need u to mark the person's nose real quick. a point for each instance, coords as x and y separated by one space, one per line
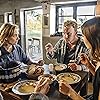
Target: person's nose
18 38
66 35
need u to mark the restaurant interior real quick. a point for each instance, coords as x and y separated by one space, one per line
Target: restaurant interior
40 22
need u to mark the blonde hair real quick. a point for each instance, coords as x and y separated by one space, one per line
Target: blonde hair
6 31
72 23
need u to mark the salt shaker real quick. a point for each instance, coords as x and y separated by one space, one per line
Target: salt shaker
51 69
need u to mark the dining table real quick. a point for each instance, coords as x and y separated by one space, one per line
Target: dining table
80 87
54 94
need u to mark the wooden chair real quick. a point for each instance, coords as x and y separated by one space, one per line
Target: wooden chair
9 96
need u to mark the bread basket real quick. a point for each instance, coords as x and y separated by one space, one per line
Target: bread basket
34 71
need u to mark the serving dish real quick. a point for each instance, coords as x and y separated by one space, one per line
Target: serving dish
25 87
70 78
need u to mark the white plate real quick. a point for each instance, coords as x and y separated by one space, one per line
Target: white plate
50 76
60 67
16 87
70 78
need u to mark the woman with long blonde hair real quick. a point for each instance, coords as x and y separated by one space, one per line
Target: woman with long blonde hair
11 54
9 37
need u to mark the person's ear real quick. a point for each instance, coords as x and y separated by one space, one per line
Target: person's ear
6 39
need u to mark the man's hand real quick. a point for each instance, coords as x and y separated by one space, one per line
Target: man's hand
84 59
49 47
73 66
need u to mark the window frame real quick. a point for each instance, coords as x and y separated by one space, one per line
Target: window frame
75 6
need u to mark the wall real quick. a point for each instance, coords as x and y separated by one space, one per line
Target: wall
11 5
14 6
98 8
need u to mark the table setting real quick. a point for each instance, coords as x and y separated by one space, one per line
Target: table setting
25 87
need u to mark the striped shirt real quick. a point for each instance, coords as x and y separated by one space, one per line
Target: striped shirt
64 54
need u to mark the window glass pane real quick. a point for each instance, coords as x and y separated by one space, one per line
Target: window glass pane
78 12
62 20
81 20
33 22
10 17
66 11
60 28
86 10
33 29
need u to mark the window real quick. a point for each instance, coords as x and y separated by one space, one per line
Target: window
78 11
64 14
33 33
9 17
84 13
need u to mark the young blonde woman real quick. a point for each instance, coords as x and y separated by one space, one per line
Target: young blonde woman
10 52
9 49
91 37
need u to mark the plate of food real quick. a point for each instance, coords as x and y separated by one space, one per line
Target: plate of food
51 77
70 78
25 87
60 67
34 71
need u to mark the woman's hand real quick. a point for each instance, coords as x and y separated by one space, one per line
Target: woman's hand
49 47
42 86
64 88
85 60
